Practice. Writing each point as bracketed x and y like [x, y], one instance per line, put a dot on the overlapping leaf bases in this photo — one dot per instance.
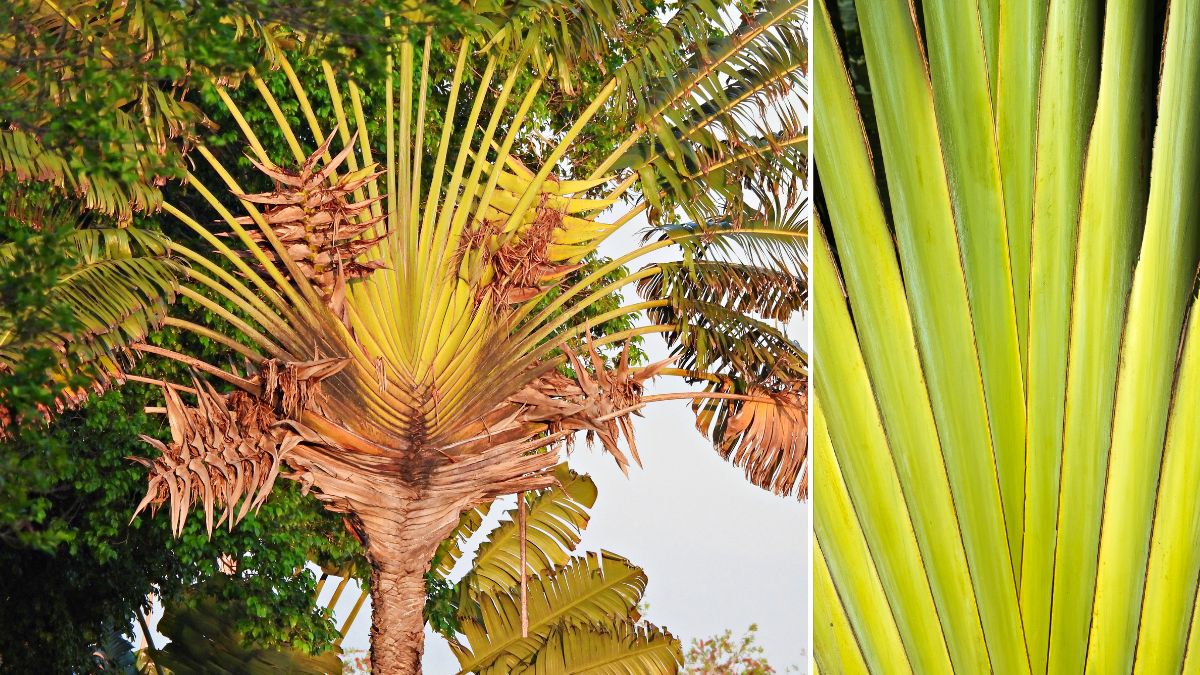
[425, 280]
[1006, 431]
[432, 300]
[441, 286]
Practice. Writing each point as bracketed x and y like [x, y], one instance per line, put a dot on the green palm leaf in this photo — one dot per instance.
[117, 289]
[596, 588]
[553, 527]
[589, 601]
[619, 649]
[1004, 353]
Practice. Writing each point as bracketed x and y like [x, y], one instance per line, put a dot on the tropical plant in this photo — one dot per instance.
[399, 358]
[94, 95]
[585, 609]
[1004, 422]
[90, 292]
[204, 640]
[64, 488]
[566, 613]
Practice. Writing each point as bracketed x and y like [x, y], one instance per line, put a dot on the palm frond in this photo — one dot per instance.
[555, 522]
[765, 434]
[594, 589]
[117, 289]
[741, 288]
[727, 119]
[607, 650]
[1006, 352]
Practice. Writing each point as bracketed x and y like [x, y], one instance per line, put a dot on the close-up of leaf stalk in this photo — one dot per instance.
[1006, 250]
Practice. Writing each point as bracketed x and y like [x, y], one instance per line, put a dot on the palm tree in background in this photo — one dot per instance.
[407, 308]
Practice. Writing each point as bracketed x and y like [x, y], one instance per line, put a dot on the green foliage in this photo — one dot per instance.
[94, 94]
[28, 308]
[584, 611]
[104, 566]
[71, 565]
[69, 494]
[106, 96]
[204, 640]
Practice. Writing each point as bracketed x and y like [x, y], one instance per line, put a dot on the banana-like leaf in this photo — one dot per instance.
[598, 588]
[616, 649]
[450, 551]
[554, 524]
[583, 611]
[1007, 362]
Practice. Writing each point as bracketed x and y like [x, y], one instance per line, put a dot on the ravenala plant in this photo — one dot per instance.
[1008, 375]
[387, 297]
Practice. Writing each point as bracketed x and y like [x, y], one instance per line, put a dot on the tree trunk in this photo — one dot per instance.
[402, 508]
[399, 548]
[397, 613]
[402, 531]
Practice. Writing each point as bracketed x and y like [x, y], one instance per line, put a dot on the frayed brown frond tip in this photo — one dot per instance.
[600, 402]
[766, 436]
[225, 452]
[317, 224]
[288, 388]
[519, 263]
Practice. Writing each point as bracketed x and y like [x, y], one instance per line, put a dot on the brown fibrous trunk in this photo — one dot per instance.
[402, 507]
[398, 567]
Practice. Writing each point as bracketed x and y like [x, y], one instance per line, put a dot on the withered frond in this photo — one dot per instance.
[766, 434]
[317, 225]
[288, 388]
[599, 402]
[514, 267]
[224, 452]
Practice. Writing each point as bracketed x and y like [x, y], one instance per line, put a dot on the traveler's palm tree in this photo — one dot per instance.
[1006, 428]
[412, 348]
